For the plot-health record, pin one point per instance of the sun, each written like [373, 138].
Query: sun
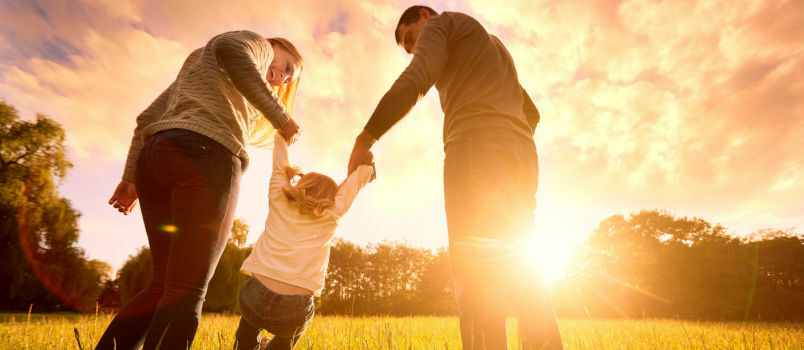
[550, 255]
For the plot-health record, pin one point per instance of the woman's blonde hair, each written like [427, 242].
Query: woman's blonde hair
[314, 192]
[262, 134]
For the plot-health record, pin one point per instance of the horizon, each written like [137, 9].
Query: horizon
[701, 116]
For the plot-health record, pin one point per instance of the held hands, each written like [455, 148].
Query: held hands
[290, 132]
[370, 162]
[361, 153]
[124, 198]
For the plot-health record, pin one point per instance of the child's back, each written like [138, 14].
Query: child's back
[294, 247]
[289, 260]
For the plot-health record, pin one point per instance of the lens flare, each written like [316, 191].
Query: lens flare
[169, 228]
[31, 247]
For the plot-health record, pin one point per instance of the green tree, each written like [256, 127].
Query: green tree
[346, 285]
[435, 293]
[653, 264]
[39, 229]
[240, 230]
[388, 278]
[135, 274]
[224, 287]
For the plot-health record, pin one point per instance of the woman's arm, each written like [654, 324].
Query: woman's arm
[124, 197]
[147, 117]
[237, 54]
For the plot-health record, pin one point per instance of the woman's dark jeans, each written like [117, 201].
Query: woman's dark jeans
[284, 316]
[187, 186]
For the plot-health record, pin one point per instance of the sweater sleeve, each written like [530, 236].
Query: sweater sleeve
[348, 191]
[237, 54]
[148, 116]
[279, 178]
[430, 56]
[530, 110]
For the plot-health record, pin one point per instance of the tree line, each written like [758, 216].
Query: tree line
[649, 264]
[389, 278]
[653, 264]
[646, 264]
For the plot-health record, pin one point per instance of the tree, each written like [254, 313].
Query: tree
[435, 293]
[240, 231]
[39, 229]
[223, 288]
[388, 278]
[345, 284]
[135, 274]
[653, 264]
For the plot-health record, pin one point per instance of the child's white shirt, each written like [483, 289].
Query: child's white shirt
[294, 248]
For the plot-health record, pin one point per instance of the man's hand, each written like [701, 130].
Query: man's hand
[124, 198]
[361, 151]
[290, 132]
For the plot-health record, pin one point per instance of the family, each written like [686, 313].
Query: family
[188, 153]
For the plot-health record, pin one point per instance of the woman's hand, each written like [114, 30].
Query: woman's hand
[124, 198]
[290, 132]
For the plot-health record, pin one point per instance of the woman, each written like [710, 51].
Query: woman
[186, 159]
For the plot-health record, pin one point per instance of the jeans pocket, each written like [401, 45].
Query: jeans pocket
[182, 161]
[252, 301]
[288, 308]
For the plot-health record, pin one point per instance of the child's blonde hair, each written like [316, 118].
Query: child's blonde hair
[314, 192]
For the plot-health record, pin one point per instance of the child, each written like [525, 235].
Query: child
[289, 261]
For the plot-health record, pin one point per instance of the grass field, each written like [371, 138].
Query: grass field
[55, 331]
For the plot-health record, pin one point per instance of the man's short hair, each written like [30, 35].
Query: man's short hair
[409, 16]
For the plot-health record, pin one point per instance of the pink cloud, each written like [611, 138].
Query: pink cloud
[691, 106]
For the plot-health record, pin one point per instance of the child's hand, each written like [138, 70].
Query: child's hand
[370, 161]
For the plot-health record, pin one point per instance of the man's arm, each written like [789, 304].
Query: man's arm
[429, 58]
[236, 53]
[361, 151]
[530, 110]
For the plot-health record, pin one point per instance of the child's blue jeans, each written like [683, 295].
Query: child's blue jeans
[284, 316]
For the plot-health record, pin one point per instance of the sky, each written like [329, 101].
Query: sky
[693, 107]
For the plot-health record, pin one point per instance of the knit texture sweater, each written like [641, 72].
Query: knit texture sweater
[219, 92]
[294, 247]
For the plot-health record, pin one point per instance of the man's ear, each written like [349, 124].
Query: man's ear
[425, 14]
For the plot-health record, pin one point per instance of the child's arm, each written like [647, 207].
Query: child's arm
[348, 191]
[279, 178]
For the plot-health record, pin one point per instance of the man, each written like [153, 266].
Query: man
[490, 171]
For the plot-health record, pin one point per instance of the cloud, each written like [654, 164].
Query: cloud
[682, 98]
[685, 105]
